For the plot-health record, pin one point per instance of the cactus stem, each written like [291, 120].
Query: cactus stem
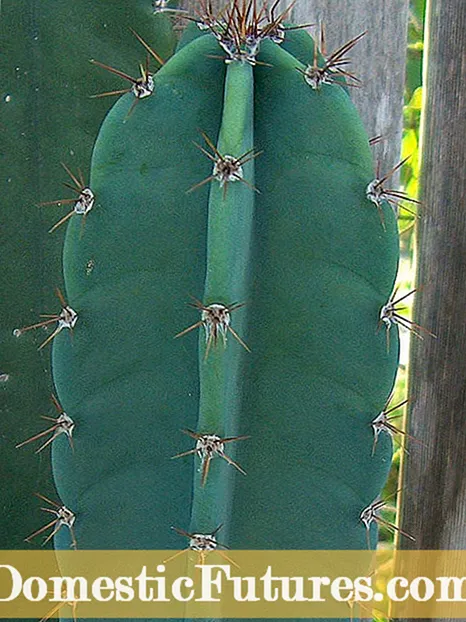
[227, 278]
[63, 424]
[315, 76]
[371, 514]
[202, 544]
[64, 517]
[376, 192]
[208, 446]
[227, 168]
[67, 318]
[216, 320]
[389, 315]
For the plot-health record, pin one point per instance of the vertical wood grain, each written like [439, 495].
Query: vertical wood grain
[434, 474]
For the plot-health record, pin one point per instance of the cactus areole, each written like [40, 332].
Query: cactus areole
[239, 269]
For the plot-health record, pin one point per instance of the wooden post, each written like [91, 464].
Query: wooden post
[434, 473]
[378, 60]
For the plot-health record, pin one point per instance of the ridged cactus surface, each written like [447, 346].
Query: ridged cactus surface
[228, 282]
[48, 118]
[289, 248]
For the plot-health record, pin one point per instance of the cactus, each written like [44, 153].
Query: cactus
[243, 184]
[47, 118]
[230, 262]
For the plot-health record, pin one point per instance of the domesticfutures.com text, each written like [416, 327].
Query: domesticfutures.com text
[214, 579]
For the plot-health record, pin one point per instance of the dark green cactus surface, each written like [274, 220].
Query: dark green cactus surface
[47, 118]
[297, 241]
[236, 190]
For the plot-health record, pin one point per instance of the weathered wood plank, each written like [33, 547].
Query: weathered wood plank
[434, 474]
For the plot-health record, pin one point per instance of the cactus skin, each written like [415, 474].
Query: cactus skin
[322, 265]
[309, 257]
[322, 291]
[47, 118]
[129, 284]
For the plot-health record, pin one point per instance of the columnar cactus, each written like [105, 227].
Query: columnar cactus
[230, 282]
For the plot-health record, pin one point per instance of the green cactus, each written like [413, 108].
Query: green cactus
[48, 117]
[244, 187]
[238, 201]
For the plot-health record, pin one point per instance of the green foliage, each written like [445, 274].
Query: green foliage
[415, 47]
[413, 100]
